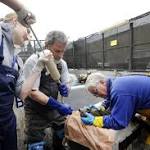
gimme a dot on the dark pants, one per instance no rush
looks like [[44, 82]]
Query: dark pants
[[8, 137], [37, 121]]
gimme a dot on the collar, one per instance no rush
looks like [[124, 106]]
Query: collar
[[109, 85], [57, 61]]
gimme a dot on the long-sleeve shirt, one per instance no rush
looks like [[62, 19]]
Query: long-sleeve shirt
[[126, 95]]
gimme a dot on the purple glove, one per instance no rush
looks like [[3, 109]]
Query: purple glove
[[63, 109], [63, 89]]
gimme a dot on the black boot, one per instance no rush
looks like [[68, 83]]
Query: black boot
[[57, 143]]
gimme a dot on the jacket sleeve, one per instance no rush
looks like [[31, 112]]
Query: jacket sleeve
[[121, 113]]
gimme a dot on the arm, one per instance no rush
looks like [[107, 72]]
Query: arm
[[14, 4], [39, 97], [119, 118], [31, 72], [121, 112], [25, 17], [29, 77], [29, 88], [28, 84]]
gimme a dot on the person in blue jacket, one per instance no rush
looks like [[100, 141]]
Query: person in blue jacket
[[124, 96]]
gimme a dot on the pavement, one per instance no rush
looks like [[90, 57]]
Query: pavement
[[80, 97]]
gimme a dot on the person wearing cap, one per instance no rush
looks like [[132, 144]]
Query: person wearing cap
[[12, 83], [123, 97], [51, 113]]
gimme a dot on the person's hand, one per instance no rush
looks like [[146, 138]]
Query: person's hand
[[97, 111], [88, 119], [25, 17], [63, 89], [63, 109], [101, 108], [45, 56]]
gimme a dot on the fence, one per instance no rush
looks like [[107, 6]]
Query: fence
[[124, 47]]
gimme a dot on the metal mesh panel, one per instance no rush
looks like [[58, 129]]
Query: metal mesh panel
[[141, 52], [79, 54], [131, 50], [94, 51], [117, 57]]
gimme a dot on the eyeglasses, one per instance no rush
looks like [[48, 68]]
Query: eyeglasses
[[55, 49], [58, 51]]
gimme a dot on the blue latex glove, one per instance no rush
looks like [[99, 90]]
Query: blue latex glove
[[63, 89], [63, 109], [88, 119]]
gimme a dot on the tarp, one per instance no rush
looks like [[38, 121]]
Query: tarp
[[94, 138]]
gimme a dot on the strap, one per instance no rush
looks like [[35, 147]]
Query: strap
[[14, 61], [19, 102], [1, 51]]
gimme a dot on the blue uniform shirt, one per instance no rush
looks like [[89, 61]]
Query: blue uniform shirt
[[126, 95]]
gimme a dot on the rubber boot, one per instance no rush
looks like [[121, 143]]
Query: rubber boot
[[36, 146]]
